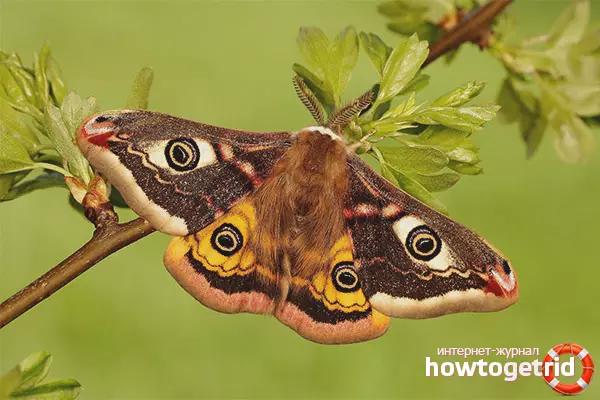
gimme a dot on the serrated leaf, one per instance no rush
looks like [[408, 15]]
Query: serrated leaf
[[11, 87], [532, 127], [437, 183], [416, 84], [401, 67], [40, 62], [314, 47], [14, 124], [63, 141], [74, 110], [25, 80], [6, 182], [507, 99], [420, 159], [427, 31], [71, 110], [468, 119], [570, 27], [434, 10], [441, 137], [43, 181], [590, 42], [465, 169], [583, 98], [415, 189], [376, 49], [63, 389], [344, 55], [460, 95], [13, 155], [574, 141], [463, 155], [57, 83], [140, 89], [34, 369]]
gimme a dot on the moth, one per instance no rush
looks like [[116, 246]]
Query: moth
[[293, 224]]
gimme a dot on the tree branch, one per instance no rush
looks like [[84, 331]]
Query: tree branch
[[472, 28], [110, 236]]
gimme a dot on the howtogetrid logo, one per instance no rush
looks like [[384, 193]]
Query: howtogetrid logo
[[551, 369]]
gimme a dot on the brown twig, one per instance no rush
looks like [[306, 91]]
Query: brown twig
[[472, 28], [110, 236]]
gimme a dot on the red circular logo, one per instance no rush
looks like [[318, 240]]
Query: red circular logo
[[549, 364]]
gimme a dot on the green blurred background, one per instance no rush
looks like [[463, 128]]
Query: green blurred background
[[126, 330]]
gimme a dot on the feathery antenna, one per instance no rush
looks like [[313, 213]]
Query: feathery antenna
[[341, 116], [309, 100]]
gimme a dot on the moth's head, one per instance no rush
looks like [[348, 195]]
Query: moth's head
[[100, 128]]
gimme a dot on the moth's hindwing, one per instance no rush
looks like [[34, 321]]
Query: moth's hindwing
[[218, 267], [178, 174], [331, 307], [415, 262]]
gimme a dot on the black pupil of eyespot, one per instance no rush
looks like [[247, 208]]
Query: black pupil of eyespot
[[347, 278], [180, 154], [226, 241], [102, 118], [425, 245]]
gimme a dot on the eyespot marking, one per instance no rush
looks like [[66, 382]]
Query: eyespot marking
[[423, 243], [344, 277], [227, 240], [182, 154]]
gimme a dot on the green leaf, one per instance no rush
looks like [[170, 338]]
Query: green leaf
[[414, 188], [574, 141], [441, 137], [63, 389], [376, 49], [413, 158], [590, 42], [460, 95], [314, 47], [11, 87], [13, 155], [43, 181], [432, 10], [34, 369], [465, 169], [468, 119], [56, 80], [6, 182], [25, 80], [416, 84], [570, 27], [402, 65], [13, 123], [427, 31], [63, 140], [344, 55], [463, 155], [74, 111], [140, 90], [40, 62], [583, 98], [510, 108], [437, 183]]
